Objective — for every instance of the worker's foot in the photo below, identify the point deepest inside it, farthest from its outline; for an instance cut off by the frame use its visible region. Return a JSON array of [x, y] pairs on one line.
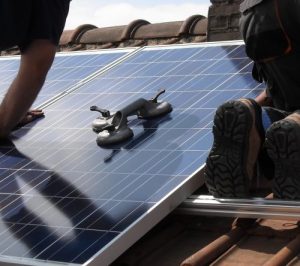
[[231, 162], [283, 146]]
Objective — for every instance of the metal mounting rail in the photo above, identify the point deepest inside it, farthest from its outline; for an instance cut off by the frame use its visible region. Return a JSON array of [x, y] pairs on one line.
[[246, 208]]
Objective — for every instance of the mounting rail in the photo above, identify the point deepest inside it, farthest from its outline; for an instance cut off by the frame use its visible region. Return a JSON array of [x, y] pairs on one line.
[[245, 208]]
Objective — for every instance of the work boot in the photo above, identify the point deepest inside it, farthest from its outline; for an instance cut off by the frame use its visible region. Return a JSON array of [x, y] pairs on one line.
[[283, 146], [231, 163]]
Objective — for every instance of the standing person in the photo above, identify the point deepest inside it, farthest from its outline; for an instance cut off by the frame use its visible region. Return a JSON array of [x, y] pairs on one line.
[[247, 132], [35, 26]]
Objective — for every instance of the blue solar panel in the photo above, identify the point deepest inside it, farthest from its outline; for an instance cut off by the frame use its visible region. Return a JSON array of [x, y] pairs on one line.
[[67, 70], [65, 199]]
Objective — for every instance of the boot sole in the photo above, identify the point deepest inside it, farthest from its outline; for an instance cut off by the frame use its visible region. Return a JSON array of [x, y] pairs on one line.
[[226, 173], [282, 143]]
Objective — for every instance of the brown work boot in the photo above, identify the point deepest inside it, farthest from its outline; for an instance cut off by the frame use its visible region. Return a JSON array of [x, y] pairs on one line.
[[283, 146], [231, 163]]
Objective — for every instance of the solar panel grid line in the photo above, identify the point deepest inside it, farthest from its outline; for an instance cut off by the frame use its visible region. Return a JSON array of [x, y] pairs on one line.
[[8, 73], [54, 232], [120, 157], [82, 82], [40, 262], [134, 75], [85, 80], [189, 77], [6, 59], [124, 162], [8, 78], [156, 156], [120, 221], [19, 230], [9, 261], [28, 194], [58, 64], [110, 66], [144, 224], [57, 227], [62, 236], [21, 188], [143, 184], [29, 197], [133, 210], [137, 92], [70, 136], [211, 91], [230, 77], [70, 114], [164, 74]]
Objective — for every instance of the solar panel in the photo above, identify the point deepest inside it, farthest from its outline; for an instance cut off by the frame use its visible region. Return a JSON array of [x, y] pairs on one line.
[[67, 70], [64, 199]]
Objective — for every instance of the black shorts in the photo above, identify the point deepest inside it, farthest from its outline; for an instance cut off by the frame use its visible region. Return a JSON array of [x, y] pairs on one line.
[[22, 21]]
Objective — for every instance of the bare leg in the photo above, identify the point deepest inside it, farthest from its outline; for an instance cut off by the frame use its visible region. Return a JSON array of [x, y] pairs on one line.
[[35, 64]]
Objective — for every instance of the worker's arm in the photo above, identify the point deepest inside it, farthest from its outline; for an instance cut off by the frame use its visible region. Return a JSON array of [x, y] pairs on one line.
[[36, 60]]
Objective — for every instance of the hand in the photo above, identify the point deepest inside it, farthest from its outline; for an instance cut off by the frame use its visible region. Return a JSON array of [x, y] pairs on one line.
[[30, 116]]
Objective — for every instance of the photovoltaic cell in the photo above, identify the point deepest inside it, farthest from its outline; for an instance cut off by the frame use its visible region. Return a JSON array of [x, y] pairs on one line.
[[65, 199], [67, 70]]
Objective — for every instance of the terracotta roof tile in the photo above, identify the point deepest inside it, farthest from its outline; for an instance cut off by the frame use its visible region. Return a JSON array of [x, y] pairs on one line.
[[199, 28], [103, 35], [194, 25], [158, 30], [73, 36], [137, 33]]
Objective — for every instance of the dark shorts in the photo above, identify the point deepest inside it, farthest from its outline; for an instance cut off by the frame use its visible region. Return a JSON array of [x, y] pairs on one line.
[[22, 21]]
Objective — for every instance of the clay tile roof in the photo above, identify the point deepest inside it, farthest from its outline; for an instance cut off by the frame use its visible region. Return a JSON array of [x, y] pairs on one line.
[[73, 36], [194, 25], [172, 29], [103, 35], [158, 30], [111, 34], [198, 26], [137, 33]]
